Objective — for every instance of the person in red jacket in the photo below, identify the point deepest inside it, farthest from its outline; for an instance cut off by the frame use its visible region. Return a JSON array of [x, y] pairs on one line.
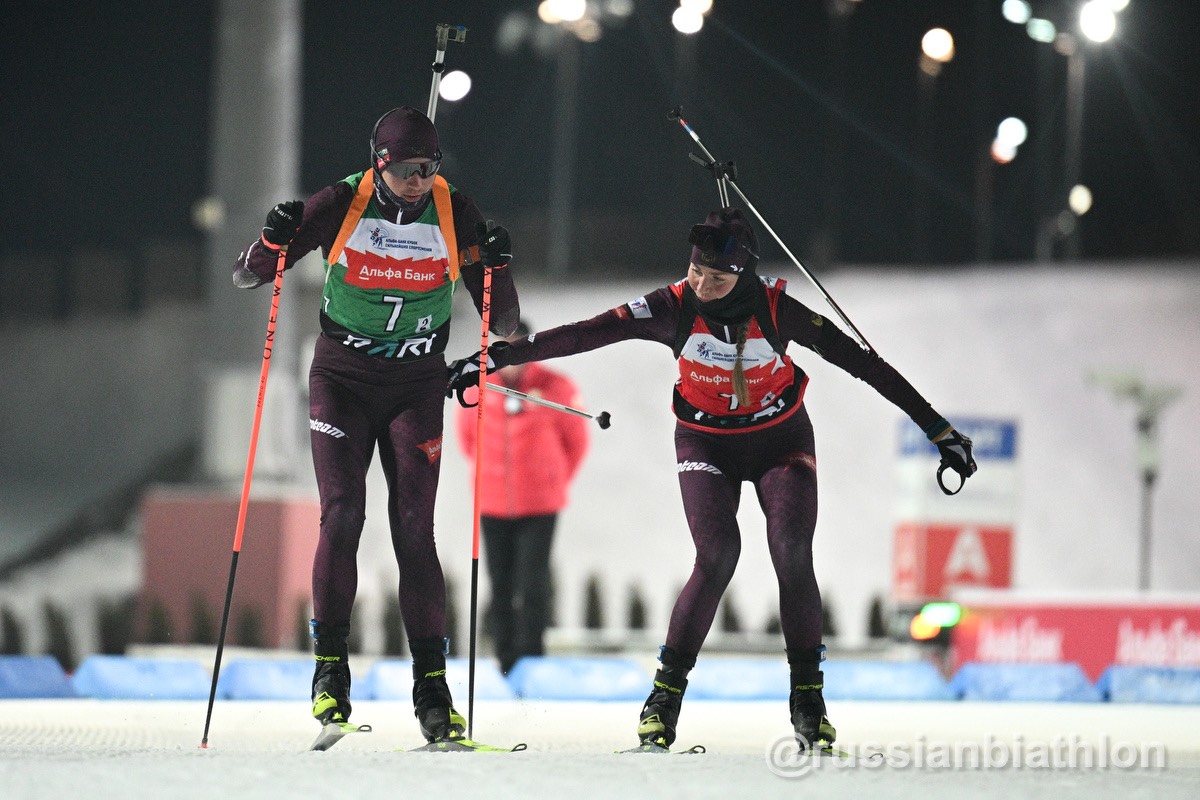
[[530, 455]]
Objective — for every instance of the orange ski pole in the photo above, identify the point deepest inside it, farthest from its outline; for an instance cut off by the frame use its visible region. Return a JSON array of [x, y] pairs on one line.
[[241, 520]]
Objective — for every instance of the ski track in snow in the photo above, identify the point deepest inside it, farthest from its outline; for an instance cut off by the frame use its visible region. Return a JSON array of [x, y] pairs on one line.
[[91, 748]]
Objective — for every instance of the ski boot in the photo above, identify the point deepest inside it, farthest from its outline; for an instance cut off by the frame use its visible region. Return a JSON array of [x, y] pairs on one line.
[[432, 704], [331, 678], [660, 712], [807, 704]]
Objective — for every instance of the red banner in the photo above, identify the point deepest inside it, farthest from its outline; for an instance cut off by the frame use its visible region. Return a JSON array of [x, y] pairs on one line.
[[1094, 635], [931, 559]]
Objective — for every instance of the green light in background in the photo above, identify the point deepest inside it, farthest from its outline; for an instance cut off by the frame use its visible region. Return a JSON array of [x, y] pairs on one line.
[[944, 615]]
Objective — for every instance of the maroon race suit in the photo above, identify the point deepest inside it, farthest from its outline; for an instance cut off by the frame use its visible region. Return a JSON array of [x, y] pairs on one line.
[[360, 402], [719, 445]]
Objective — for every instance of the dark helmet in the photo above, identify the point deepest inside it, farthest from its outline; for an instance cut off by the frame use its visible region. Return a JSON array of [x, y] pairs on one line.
[[725, 241], [403, 133]]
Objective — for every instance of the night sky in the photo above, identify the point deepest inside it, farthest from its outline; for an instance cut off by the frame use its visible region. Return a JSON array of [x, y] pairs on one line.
[[105, 124]]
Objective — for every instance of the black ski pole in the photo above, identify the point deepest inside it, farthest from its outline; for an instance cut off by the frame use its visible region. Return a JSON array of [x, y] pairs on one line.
[[603, 419], [445, 35], [726, 176]]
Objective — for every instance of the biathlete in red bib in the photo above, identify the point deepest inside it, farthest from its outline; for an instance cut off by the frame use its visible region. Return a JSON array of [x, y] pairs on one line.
[[739, 405], [397, 240]]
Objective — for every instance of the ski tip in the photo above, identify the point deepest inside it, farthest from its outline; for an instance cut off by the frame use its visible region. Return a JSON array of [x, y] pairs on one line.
[[333, 732]]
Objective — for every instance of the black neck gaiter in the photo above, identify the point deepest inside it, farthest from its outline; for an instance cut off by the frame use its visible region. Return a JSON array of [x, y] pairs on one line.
[[734, 308]]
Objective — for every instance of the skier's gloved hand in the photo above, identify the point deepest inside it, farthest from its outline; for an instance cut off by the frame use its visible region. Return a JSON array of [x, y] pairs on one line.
[[464, 373], [495, 245], [282, 222], [955, 450]]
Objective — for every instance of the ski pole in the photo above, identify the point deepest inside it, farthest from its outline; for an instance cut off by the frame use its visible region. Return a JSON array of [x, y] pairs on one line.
[[727, 176], [485, 314], [445, 35], [241, 520], [602, 419]]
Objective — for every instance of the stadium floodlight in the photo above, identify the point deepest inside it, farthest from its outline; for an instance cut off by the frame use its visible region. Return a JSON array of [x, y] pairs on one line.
[[1041, 30], [1012, 132], [687, 20], [1080, 199], [1016, 11], [454, 86], [1097, 20], [938, 44]]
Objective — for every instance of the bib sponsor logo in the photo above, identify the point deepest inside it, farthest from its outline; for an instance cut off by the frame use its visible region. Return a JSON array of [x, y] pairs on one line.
[[409, 348], [372, 271]]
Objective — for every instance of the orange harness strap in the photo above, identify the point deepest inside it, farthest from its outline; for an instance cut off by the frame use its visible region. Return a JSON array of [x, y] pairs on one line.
[[441, 201]]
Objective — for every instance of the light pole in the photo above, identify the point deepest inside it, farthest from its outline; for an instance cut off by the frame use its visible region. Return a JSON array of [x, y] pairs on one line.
[[937, 50], [562, 169], [577, 22], [1097, 22], [1151, 402]]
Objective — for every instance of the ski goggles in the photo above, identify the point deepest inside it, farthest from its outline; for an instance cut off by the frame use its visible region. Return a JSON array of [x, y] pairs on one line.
[[406, 169]]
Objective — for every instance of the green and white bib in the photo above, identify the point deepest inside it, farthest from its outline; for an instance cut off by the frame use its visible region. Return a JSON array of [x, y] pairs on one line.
[[391, 282]]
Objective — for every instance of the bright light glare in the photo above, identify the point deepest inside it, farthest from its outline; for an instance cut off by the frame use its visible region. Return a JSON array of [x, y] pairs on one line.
[[553, 11], [687, 21], [1002, 153], [921, 630], [588, 30], [938, 44], [454, 86], [1041, 30], [208, 213], [1016, 11], [1080, 199], [1097, 21], [619, 8], [1117, 5], [944, 615], [1011, 132], [699, 6], [547, 12]]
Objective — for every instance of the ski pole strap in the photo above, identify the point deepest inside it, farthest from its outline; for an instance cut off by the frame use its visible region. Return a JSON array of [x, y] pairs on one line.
[[942, 467]]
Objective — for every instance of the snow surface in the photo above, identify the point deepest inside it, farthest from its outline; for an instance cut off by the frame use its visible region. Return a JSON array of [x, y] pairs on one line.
[[90, 748]]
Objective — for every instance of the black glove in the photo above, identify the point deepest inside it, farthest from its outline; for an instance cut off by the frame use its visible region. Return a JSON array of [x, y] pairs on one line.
[[495, 245], [464, 373], [955, 450], [282, 222]]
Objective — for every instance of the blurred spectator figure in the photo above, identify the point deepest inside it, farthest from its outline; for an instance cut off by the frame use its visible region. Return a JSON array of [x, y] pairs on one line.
[[531, 453]]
